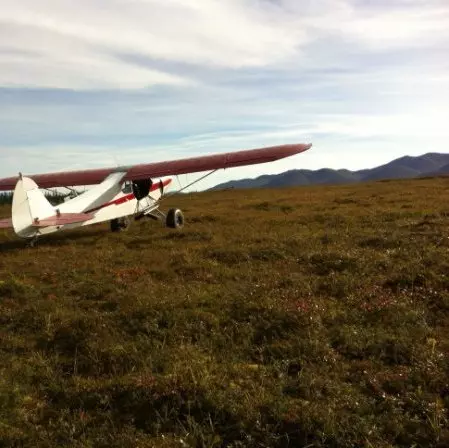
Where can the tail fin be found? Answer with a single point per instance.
(28, 204)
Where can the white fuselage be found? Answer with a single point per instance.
(31, 211)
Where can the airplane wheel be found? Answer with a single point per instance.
(120, 224)
(125, 223)
(175, 219)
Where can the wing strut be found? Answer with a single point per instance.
(189, 185)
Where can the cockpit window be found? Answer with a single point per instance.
(127, 187)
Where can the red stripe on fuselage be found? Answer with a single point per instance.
(130, 196)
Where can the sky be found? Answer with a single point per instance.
(95, 83)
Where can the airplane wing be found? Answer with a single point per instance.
(161, 169)
(6, 223)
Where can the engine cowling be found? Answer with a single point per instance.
(141, 188)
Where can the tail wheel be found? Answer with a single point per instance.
(175, 219)
(120, 224)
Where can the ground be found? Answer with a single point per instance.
(313, 317)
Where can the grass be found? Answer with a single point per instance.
(311, 317)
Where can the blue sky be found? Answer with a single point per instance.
(104, 82)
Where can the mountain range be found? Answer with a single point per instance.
(430, 164)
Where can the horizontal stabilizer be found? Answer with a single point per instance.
(6, 223)
(63, 219)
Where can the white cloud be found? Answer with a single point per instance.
(74, 45)
(77, 45)
(372, 24)
(398, 28)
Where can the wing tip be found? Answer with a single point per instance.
(291, 149)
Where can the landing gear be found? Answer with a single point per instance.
(174, 219)
(33, 241)
(120, 224)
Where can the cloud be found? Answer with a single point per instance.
(399, 27)
(69, 47)
(56, 43)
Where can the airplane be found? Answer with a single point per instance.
(116, 193)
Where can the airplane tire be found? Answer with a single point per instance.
(120, 224)
(125, 223)
(175, 219)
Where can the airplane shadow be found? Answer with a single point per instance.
(59, 239)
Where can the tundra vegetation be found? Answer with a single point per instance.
(314, 316)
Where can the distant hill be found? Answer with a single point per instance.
(430, 164)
